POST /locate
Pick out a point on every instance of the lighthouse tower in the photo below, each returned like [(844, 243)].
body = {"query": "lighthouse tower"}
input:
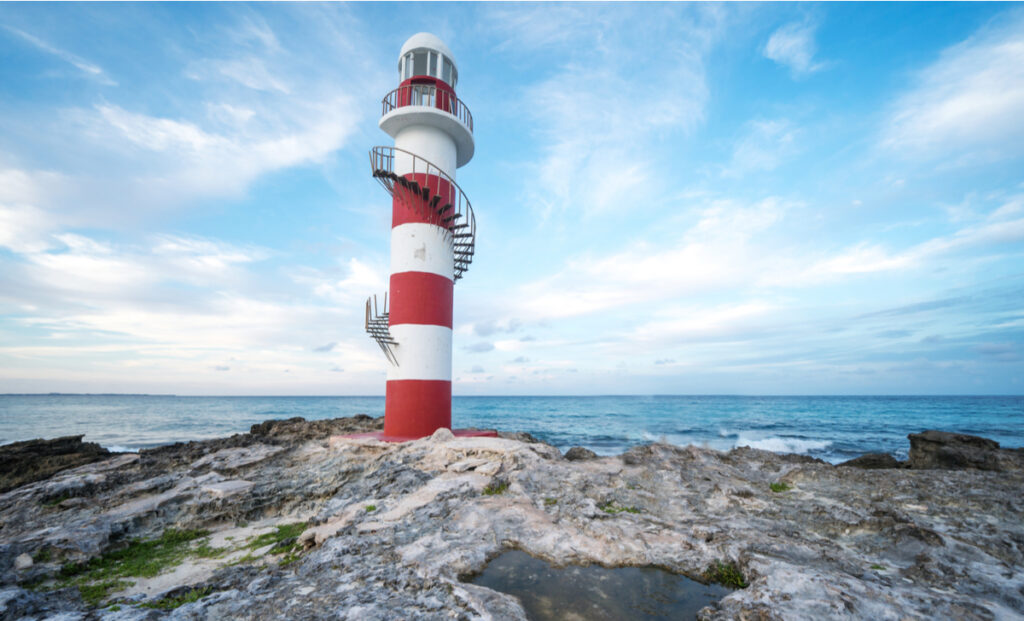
[(433, 234)]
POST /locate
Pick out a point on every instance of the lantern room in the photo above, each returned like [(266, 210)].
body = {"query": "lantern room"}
[(423, 114), (426, 56)]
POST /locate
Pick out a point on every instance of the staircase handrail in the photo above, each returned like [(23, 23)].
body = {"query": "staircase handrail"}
[(459, 221)]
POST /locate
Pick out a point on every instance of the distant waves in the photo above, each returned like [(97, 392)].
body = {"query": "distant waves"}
[(829, 428)]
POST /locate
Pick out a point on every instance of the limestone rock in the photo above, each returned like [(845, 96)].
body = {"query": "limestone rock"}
[(954, 451), (299, 429), (520, 436), (578, 453), (873, 461), (442, 435), (387, 529), (35, 460), (224, 489)]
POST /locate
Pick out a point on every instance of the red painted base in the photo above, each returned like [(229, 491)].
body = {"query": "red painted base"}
[(459, 433), (417, 408)]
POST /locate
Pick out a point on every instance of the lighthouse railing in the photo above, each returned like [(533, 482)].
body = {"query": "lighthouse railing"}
[(429, 188), (430, 96)]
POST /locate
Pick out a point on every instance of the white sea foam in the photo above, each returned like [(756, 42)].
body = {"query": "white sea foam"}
[(685, 439), (783, 445), (115, 448)]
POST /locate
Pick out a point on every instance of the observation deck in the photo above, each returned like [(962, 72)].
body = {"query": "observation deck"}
[(427, 104)]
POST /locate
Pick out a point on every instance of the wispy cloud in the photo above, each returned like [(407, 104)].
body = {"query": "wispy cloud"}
[(764, 145), (24, 228), (793, 46), (966, 106), (1003, 226), (89, 69), (185, 160), (716, 252), (606, 107), (361, 280), (167, 307), (644, 225), (255, 103), (249, 72)]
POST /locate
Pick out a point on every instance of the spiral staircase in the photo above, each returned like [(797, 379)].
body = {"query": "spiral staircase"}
[(435, 197)]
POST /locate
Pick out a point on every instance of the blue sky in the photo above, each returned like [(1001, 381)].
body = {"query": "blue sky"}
[(742, 199)]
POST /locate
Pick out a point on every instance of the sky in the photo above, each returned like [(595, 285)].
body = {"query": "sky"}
[(670, 198)]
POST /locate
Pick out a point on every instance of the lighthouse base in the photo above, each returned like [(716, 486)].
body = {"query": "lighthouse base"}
[(382, 437)]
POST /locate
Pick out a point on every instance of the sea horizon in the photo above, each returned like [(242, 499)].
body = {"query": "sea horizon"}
[(554, 396), (834, 428)]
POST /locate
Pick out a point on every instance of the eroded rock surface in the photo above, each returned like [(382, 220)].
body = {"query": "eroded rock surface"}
[(35, 460), (578, 453), (392, 527), (873, 461), (953, 451)]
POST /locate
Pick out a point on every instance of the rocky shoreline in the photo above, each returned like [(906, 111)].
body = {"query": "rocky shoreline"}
[(293, 521)]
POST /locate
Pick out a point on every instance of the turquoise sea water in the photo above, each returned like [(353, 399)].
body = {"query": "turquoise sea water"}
[(832, 428)]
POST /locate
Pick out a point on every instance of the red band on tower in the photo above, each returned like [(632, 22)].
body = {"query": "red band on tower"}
[(422, 298)]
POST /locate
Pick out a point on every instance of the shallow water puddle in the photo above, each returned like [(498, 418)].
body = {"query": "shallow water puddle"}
[(594, 592)]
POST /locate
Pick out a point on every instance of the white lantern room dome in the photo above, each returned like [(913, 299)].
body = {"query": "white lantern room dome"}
[(425, 40), (426, 55)]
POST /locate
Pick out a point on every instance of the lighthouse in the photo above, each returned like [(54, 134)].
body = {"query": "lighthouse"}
[(433, 236)]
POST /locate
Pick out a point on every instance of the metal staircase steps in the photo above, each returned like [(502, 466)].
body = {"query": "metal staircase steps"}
[(423, 197), (378, 329)]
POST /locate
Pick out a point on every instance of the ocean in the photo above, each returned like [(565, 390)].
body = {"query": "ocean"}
[(830, 428)]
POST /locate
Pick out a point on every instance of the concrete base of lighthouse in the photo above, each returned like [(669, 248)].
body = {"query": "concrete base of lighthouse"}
[(383, 437)]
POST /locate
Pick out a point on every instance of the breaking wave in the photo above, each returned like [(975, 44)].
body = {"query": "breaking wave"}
[(114, 448), (784, 445)]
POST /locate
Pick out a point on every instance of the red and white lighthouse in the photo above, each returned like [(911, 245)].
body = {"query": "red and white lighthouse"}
[(433, 234)]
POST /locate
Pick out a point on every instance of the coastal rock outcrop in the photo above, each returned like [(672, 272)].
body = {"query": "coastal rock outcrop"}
[(953, 451), (578, 453), (35, 460), (300, 429), (873, 461), (267, 526)]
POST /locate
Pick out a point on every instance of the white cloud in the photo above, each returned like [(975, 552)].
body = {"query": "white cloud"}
[(594, 170), (94, 270), (157, 134), (695, 323), (182, 159), (1002, 226), (363, 280), (19, 186), (793, 45), (90, 69), (259, 104), (604, 112), (719, 251), (23, 228), (765, 145), (732, 249), (169, 309), (968, 103), (249, 72)]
